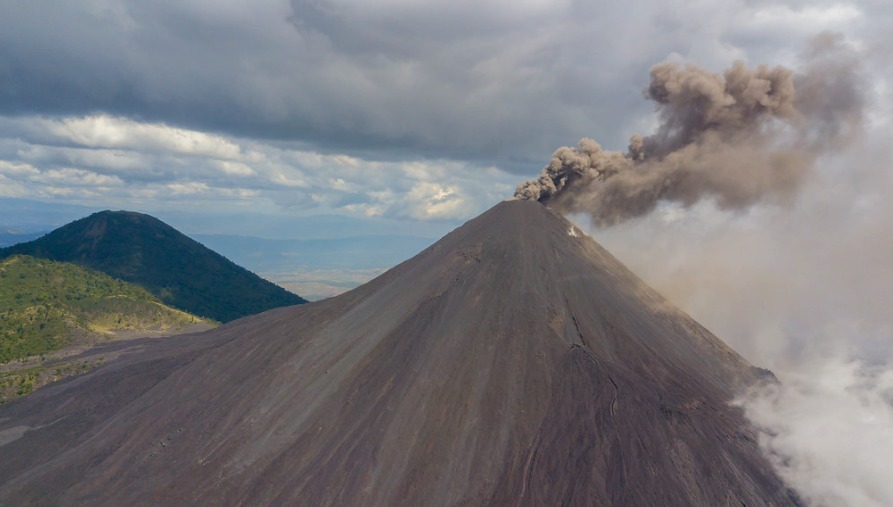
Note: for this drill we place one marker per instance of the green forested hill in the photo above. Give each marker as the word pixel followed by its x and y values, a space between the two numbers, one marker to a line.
pixel 143 250
pixel 45 305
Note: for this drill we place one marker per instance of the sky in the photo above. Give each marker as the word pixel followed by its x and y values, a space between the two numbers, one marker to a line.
pixel 424 114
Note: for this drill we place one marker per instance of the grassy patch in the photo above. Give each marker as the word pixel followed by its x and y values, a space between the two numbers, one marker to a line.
pixel 18 383
pixel 46 305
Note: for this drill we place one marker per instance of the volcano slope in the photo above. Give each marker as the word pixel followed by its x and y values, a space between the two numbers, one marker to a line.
pixel 514 362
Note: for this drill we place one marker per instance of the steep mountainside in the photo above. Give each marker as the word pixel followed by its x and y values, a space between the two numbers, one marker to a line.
pixel 47 305
pixel 143 250
pixel 514 362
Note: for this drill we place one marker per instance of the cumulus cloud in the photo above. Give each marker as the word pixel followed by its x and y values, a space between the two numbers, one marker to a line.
pixel 17 169
pixel 70 177
pixel 121 160
pixel 434 200
pixel 103 131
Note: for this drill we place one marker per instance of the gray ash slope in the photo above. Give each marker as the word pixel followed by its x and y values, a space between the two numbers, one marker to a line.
pixel 511 363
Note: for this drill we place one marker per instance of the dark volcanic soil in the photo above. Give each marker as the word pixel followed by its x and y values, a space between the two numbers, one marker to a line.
pixel 512 363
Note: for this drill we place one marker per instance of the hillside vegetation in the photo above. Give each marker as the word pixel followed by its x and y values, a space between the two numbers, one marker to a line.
pixel 46 305
pixel 147 252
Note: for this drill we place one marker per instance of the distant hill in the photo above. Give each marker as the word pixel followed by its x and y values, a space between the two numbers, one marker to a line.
pixel 143 250
pixel 45 305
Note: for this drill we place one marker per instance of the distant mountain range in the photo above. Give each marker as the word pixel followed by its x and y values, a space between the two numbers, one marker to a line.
pixel 178 270
pixel 356 252
pixel 12 237
pixel 28 215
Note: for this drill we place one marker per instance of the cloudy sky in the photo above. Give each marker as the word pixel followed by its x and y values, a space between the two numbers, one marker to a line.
pixel 430 112
pixel 418 110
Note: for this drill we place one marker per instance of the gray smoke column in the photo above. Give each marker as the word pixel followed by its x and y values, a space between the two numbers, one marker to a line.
pixel 744 136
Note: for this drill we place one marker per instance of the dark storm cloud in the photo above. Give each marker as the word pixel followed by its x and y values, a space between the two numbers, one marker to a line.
pixel 441 79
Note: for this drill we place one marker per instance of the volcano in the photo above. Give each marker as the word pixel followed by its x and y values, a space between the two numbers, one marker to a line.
pixel 514 362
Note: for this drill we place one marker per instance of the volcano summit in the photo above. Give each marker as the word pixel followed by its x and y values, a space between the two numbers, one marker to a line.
pixel 514 362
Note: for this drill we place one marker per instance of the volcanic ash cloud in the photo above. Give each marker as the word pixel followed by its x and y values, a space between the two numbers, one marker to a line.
pixel 741 137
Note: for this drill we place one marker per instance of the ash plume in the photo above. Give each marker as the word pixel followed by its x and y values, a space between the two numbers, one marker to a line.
pixel 747 135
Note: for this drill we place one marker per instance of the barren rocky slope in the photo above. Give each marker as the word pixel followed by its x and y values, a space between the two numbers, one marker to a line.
pixel 515 362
